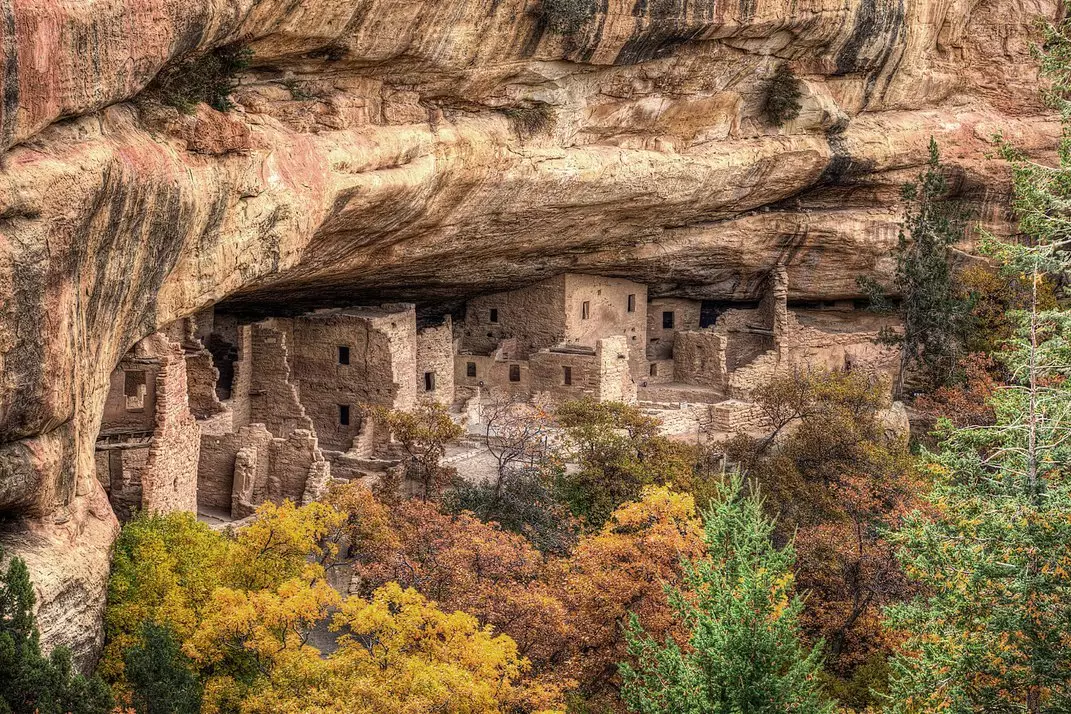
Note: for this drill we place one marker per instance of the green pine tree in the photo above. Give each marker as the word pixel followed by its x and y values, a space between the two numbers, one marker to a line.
pixel 160 675
pixel 743 654
pixel 934 316
pixel 31 683
pixel 990 633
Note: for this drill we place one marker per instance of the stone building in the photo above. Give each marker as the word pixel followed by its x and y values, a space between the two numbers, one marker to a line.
pixel 222 414
pixel 555 338
pixel 149 441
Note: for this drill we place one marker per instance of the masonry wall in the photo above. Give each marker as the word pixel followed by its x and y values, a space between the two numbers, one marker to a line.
pixel 608 314
pixel 492 374
pixel 435 354
pixel 615 376
pixel 169 477
pixel 273 398
pixel 806 348
pixel 135 411
pixel 381 369
pixel 699 358
pixel 547 375
pixel 534 315
pixel 290 462
pixel 242 382
pixel 660 340
pixel 216 466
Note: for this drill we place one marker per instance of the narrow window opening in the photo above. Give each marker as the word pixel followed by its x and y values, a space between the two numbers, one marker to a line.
pixel 585 310
pixel 514 373
pixel 567 376
pixel 667 320
pixel 343 354
pixel 654 369
pixel 494 314
pixel 429 381
pixel 344 414
pixel 470 369
pixel 632 303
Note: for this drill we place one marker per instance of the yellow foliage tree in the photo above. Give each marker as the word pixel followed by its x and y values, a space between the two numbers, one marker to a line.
pixel 397 653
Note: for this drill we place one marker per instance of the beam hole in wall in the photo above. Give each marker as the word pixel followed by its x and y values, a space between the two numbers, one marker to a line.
pixel 344 414
pixel 429 381
pixel 514 373
pixel 470 369
pixel 343 354
pixel 567 375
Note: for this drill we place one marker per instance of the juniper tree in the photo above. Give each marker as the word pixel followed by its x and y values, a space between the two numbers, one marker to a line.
pixel 161 677
pixel 990 634
pixel 736 605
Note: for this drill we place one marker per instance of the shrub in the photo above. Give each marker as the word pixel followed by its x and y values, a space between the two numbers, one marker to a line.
pixel 527 121
pixel 209 78
pixel 567 17
pixel 520 501
pixel 783 92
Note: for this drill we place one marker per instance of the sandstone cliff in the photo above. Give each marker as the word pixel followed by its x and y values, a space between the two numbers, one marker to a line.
pixel 429 149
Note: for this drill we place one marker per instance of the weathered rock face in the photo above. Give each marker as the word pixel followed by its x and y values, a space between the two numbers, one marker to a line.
pixel 434 149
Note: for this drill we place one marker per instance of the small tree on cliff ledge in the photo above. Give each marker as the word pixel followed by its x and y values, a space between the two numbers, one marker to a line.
pixel 31 683
pixel 933 313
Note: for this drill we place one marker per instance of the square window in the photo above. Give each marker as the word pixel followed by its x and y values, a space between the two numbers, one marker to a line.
pixel 429 381
pixel 494 314
pixel 343 354
pixel 585 310
pixel 632 303
pixel 514 373
pixel 133 381
pixel 344 414
pixel 667 320
pixel 567 376
pixel 470 369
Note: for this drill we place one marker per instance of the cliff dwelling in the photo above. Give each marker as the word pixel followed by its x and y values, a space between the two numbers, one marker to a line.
pixel 293 412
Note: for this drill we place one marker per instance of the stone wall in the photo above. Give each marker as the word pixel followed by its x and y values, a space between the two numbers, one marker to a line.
pixel 615 377
pixel 608 314
pixel 492 374
pixel 382 364
pixel 659 372
pixel 216 468
pixel 699 358
pixel 148 444
pixel 169 477
pixel 290 461
pixel 547 374
pixel 273 398
pixel 686 316
pixel 534 315
pixel 803 347
pixel 435 355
